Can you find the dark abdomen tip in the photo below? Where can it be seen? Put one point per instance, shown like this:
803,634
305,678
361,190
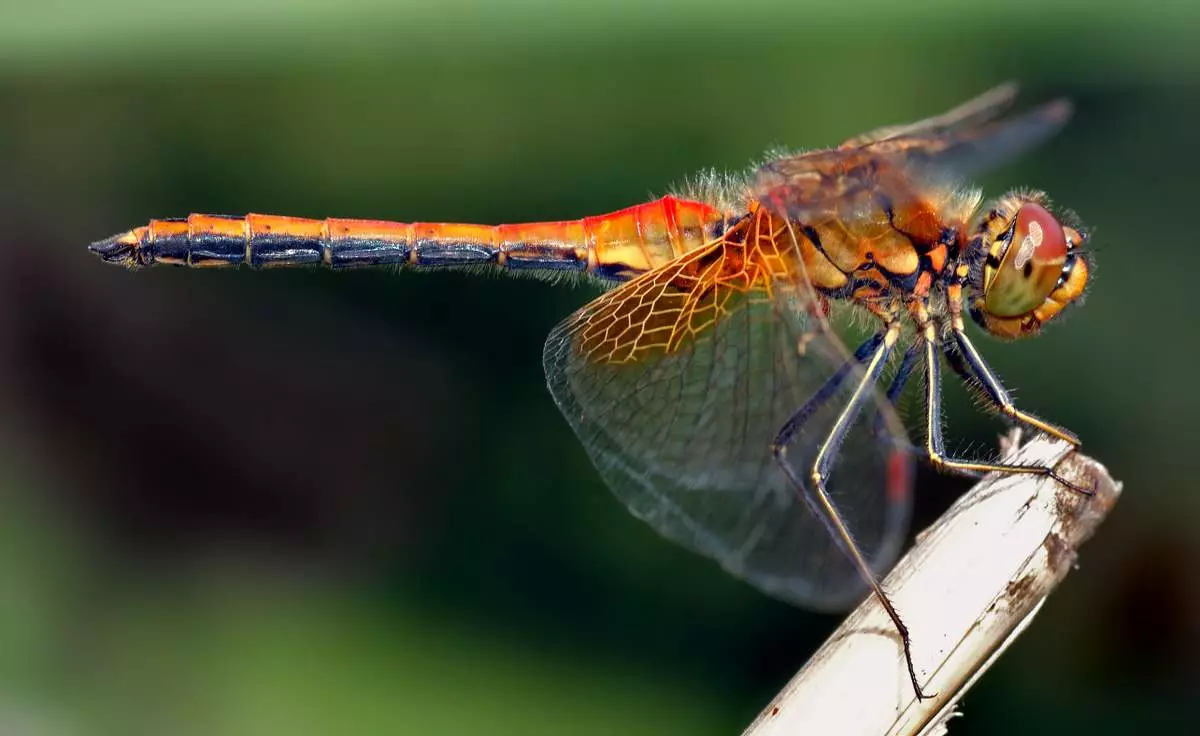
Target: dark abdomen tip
123,249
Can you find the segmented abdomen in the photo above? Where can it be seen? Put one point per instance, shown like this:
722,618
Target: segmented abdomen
614,246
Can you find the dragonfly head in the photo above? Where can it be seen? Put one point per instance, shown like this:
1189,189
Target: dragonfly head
1029,266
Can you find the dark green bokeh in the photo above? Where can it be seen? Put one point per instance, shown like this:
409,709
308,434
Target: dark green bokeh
303,502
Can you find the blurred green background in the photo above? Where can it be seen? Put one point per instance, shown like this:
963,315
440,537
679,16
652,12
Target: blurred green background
312,502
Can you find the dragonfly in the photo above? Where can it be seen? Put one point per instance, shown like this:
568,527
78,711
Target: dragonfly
710,382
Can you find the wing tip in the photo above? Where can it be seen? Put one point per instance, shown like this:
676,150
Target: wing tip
1059,110
1002,94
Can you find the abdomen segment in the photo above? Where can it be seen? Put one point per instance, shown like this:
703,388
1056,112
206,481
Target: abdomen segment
614,246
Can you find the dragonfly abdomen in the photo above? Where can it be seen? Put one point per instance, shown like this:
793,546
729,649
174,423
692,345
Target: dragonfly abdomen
615,246
259,241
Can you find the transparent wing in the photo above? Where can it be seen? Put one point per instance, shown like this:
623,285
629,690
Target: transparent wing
677,382
970,150
971,113
905,164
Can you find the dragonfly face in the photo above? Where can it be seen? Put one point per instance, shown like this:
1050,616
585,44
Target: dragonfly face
1030,266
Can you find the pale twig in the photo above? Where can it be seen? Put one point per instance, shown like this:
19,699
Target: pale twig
967,589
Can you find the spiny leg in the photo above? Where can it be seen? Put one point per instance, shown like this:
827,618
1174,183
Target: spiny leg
975,372
954,359
907,363
995,391
817,497
827,390
903,373
899,381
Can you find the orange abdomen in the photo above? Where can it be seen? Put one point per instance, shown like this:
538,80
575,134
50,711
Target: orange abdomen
616,246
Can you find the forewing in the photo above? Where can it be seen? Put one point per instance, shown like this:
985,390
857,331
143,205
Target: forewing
971,113
905,164
677,383
964,152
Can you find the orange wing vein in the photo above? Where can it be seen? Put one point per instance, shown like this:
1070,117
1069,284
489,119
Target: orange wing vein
677,382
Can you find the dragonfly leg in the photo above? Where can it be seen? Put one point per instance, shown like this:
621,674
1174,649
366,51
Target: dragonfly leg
954,359
816,497
823,394
903,373
907,363
899,381
826,391
976,372
996,393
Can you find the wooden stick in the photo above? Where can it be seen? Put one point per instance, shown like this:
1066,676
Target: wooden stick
966,590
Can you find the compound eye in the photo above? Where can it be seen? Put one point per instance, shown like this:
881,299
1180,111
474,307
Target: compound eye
1031,266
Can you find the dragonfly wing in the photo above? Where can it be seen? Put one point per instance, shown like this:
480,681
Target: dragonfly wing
677,394
965,152
971,113
907,164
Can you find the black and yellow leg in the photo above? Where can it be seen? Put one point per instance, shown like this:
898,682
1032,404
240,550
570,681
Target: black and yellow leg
934,445
899,380
903,373
954,359
827,390
995,391
815,495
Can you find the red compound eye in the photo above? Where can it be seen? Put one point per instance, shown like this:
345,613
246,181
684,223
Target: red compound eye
1038,237
1031,265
